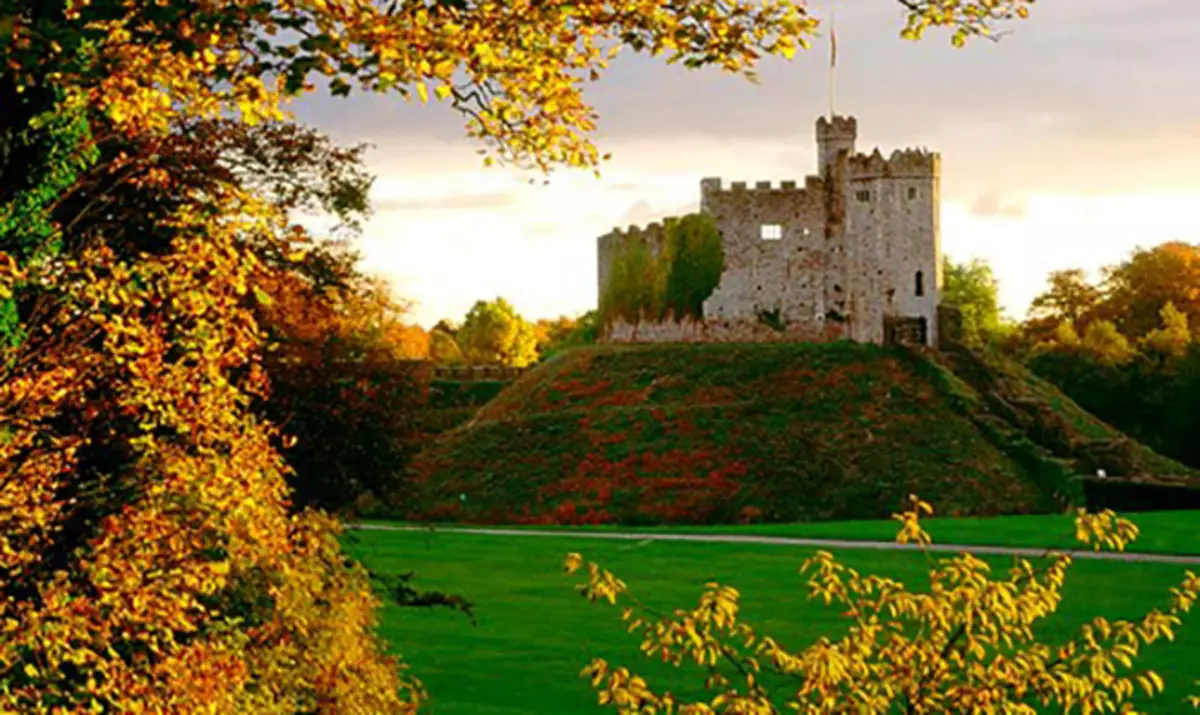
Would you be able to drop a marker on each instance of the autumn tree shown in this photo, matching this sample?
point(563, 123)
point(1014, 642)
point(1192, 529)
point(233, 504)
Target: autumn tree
point(444, 348)
point(494, 333)
point(552, 335)
point(1137, 290)
point(1172, 338)
point(151, 561)
point(1069, 297)
point(565, 332)
point(347, 385)
point(1103, 342)
point(971, 643)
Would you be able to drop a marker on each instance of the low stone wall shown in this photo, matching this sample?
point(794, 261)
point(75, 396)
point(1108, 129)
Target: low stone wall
point(478, 373)
point(712, 331)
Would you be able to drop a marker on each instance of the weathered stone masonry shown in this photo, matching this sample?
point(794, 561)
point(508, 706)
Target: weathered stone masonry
point(853, 252)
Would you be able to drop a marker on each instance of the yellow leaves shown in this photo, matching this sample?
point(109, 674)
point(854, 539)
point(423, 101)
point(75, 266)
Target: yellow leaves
point(1104, 530)
point(965, 18)
point(572, 563)
point(967, 645)
point(910, 529)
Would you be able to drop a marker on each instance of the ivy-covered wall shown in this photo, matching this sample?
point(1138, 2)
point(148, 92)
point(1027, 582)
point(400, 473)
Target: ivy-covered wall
point(661, 272)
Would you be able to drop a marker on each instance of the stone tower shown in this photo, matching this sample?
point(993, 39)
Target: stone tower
point(834, 135)
point(892, 241)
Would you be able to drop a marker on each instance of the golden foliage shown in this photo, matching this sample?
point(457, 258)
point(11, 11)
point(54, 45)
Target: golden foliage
point(966, 645)
point(195, 565)
point(514, 69)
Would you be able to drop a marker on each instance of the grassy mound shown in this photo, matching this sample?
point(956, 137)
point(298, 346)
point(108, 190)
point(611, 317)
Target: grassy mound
point(758, 432)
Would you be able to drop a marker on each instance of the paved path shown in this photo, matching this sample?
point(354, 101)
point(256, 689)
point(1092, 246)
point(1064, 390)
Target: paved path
point(790, 541)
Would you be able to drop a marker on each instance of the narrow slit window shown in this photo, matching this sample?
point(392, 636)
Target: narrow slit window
point(920, 287)
point(771, 232)
point(863, 195)
point(912, 193)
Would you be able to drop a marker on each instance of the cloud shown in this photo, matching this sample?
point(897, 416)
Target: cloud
point(994, 205)
point(560, 229)
point(642, 212)
point(624, 187)
point(452, 202)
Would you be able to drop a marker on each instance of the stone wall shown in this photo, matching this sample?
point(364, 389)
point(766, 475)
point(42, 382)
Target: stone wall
point(780, 274)
point(478, 373)
point(715, 331)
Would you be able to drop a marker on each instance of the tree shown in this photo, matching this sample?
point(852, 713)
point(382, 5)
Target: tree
point(970, 644)
point(565, 332)
point(1065, 336)
point(144, 506)
point(1137, 290)
point(444, 349)
point(972, 288)
point(493, 333)
point(552, 335)
point(1103, 342)
point(345, 386)
point(1172, 339)
point(1069, 296)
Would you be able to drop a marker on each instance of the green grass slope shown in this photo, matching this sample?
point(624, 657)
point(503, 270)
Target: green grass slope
point(726, 433)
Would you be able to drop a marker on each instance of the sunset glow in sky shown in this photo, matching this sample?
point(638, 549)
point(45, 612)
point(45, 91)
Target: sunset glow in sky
point(1066, 144)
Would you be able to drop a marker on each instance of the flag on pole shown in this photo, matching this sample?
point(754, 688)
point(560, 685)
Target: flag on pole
point(832, 47)
point(832, 55)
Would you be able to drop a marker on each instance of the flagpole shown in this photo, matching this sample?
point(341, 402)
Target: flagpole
point(832, 54)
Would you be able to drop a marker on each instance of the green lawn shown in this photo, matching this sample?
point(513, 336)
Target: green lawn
point(534, 633)
point(1163, 532)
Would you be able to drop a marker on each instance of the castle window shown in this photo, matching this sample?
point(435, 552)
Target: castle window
point(920, 287)
point(863, 195)
point(771, 232)
point(912, 193)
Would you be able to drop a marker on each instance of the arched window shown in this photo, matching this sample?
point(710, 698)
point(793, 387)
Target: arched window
point(920, 287)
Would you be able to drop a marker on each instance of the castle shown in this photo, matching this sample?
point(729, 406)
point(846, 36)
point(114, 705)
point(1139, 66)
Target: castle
point(853, 253)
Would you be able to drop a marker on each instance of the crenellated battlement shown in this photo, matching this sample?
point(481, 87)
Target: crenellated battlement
point(838, 127)
point(902, 163)
point(713, 187)
point(653, 231)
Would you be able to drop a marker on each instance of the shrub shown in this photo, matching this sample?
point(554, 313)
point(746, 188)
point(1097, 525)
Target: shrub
point(968, 645)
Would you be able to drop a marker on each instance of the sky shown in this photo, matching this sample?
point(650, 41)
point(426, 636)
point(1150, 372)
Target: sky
point(1068, 143)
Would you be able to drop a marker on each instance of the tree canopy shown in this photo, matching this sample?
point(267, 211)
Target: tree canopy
point(972, 288)
point(494, 333)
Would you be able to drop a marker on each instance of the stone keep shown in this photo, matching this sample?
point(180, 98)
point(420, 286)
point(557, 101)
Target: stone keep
point(853, 253)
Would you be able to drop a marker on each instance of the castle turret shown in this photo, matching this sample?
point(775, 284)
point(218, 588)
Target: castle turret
point(832, 137)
